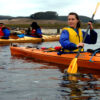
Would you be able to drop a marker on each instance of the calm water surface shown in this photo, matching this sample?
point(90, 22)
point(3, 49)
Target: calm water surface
point(30, 79)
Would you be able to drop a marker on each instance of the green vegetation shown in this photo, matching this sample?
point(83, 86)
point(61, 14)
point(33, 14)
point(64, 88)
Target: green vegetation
point(97, 26)
point(18, 25)
point(48, 25)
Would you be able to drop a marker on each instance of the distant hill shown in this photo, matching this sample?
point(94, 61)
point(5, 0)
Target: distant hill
point(43, 16)
point(2, 17)
point(82, 18)
point(5, 17)
point(28, 20)
point(98, 21)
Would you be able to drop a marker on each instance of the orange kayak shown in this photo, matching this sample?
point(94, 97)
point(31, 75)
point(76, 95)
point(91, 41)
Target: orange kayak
point(65, 59)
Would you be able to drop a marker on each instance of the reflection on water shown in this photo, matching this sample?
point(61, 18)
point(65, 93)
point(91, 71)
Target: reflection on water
point(80, 87)
point(31, 79)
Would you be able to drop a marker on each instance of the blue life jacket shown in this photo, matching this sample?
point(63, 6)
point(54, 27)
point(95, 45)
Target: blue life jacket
point(39, 31)
point(6, 32)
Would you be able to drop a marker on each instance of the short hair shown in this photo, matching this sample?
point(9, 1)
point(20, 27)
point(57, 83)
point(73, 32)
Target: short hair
point(2, 23)
point(35, 25)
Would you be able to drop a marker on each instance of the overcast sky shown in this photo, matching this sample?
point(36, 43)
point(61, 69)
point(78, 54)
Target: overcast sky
point(62, 7)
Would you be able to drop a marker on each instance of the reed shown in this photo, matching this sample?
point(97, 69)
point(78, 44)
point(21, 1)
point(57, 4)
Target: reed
point(48, 25)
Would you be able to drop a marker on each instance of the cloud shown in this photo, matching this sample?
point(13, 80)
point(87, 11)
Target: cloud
point(62, 7)
point(16, 7)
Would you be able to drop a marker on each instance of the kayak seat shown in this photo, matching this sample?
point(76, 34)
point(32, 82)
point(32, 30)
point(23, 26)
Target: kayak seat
point(29, 47)
point(93, 51)
point(14, 45)
point(60, 52)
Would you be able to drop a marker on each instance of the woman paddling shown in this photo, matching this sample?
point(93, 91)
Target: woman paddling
point(72, 36)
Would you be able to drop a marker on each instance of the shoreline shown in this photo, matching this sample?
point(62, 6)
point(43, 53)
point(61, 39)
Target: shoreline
point(52, 24)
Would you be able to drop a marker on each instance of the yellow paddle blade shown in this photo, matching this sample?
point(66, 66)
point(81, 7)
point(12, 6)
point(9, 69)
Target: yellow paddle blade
point(73, 66)
point(98, 4)
point(72, 78)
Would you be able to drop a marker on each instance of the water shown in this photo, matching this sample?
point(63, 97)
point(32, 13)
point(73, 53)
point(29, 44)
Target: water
point(30, 79)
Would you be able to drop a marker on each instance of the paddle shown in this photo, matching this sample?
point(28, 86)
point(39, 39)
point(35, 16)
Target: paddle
point(73, 65)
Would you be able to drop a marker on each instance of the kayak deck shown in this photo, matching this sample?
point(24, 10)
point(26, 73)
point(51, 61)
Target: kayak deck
point(65, 59)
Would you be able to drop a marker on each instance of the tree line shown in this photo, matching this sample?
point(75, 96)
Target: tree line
point(51, 15)
point(48, 15)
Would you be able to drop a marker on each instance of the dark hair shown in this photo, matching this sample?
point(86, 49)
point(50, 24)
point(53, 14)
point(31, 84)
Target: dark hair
point(77, 17)
point(34, 25)
point(2, 23)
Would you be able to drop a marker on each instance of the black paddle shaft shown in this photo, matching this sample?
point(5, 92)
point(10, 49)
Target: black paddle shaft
point(88, 27)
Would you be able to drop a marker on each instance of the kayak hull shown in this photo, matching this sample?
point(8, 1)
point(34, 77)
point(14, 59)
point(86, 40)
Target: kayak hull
point(30, 39)
point(65, 59)
point(51, 38)
point(20, 40)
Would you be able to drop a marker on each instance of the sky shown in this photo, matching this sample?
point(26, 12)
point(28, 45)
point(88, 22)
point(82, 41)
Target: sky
point(62, 7)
